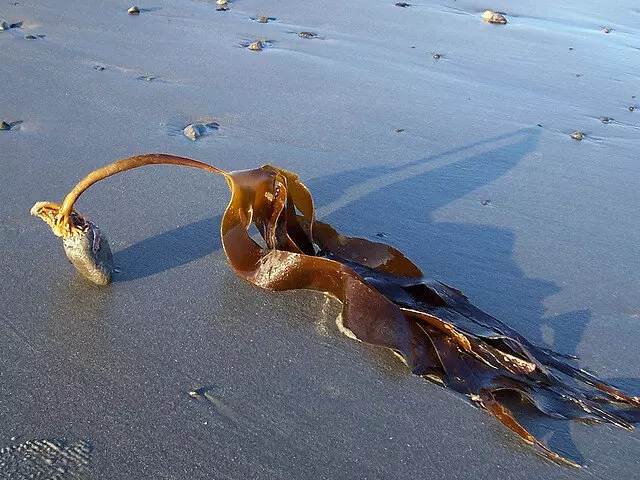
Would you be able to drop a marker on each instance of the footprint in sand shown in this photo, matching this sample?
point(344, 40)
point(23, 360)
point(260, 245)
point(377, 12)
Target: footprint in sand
point(52, 458)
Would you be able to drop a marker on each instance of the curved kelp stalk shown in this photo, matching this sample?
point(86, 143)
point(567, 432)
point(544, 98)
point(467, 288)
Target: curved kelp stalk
point(385, 299)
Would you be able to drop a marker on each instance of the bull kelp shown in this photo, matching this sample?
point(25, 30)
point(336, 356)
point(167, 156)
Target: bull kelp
point(386, 301)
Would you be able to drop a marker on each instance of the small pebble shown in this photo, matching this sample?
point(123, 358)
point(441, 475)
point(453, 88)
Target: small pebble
point(30, 37)
point(606, 30)
point(194, 131)
point(4, 26)
point(403, 5)
point(5, 126)
point(256, 46)
point(134, 11)
point(194, 394)
point(265, 19)
point(485, 202)
point(577, 135)
point(490, 16)
point(437, 56)
point(381, 235)
point(307, 35)
point(632, 108)
point(221, 3)
point(399, 130)
point(605, 120)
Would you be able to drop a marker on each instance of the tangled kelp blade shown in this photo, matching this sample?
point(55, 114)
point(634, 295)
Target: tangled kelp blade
point(387, 302)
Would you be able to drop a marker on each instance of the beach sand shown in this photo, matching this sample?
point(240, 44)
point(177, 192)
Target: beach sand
point(464, 162)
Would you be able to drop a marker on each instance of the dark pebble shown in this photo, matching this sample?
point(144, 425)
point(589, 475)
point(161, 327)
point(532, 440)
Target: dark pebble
point(30, 37)
point(632, 108)
point(134, 11)
point(605, 120)
point(606, 30)
point(307, 35)
point(399, 130)
point(403, 5)
point(485, 202)
point(437, 56)
point(381, 235)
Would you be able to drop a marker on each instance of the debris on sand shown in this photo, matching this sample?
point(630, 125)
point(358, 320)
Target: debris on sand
point(490, 16)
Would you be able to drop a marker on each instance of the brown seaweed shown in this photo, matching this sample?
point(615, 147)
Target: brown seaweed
point(386, 301)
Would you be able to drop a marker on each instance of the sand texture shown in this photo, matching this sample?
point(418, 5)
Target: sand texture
point(422, 126)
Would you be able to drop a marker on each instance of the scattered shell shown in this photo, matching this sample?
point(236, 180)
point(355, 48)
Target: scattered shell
point(307, 35)
point(134, 11)
point(437, 56)
point(605, 120)
point(403, 5)
point(490, 16)
point(256, 46)
point(606, 30)
point(577, 135)
point(193, 131)
point(4, 26)
point(5, 126)
point(221, 3)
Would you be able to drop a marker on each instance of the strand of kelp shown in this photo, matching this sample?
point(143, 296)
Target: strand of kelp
point(386, 301)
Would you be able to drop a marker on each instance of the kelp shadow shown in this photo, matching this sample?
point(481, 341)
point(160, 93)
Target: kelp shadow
point(412, 193)
point(168, 250)
point(400, 202)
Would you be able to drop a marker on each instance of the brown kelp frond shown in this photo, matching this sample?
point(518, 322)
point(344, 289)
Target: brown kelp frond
point(386, 301)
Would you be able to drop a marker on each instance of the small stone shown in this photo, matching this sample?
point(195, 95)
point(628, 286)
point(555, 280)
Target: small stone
point(194, 131)
point(134, 11)
point(4, 26)
point(193, 394)
point(256, 46)
point(403, 5)
point(485, 202)
point(437, 56)
point(577, 135)
point(632, 108)
point(381, 235)
point(490, 16)
point(221, 3)
point(30, 37)
point(148, 79)
point(307, 35)
point(263, 19)
point(606, 30)
point(605, 120)
point(5, 126)
point(399, 130)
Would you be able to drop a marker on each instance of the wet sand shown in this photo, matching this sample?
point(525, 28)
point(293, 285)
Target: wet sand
point(464, 162)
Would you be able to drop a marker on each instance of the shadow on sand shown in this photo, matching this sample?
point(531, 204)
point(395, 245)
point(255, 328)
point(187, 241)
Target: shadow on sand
point(400, 201)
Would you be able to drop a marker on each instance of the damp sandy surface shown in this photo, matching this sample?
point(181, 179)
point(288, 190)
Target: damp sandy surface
point(465, 162)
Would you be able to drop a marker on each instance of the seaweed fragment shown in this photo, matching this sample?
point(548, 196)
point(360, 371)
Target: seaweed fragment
point(386, 301)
